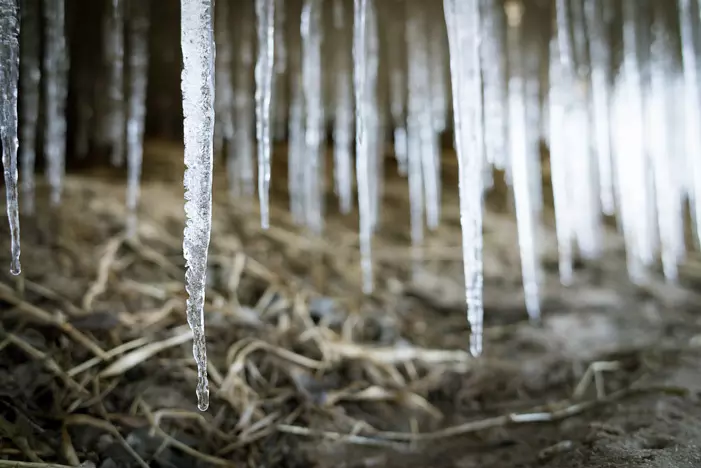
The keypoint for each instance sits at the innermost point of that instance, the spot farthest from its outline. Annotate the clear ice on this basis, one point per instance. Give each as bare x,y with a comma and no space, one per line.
9,82
30,78
55,68
463,21
265,26
137,62
197,42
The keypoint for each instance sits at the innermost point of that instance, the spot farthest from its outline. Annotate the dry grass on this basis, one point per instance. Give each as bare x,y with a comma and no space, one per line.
96,359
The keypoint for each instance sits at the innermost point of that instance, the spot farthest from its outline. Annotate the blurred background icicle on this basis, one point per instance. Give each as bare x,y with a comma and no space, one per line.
55,74
138,18
30,83
114,61
523,156
343,114
314,132
9,124
264,71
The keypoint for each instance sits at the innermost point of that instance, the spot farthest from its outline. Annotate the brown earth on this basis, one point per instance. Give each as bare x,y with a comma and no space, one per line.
96,366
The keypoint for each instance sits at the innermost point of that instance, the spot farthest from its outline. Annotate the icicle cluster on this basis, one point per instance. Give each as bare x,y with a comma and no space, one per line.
623,130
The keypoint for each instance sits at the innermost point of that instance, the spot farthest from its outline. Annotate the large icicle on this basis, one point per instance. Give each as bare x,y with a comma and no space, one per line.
463,22
30,76
265,15
55,93
197,42
137,61
362,147
9,81
114,56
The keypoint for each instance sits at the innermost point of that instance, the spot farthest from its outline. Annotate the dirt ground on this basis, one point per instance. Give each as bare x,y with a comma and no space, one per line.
305,371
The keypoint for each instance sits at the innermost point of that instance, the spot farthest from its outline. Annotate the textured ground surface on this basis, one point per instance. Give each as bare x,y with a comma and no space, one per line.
96,366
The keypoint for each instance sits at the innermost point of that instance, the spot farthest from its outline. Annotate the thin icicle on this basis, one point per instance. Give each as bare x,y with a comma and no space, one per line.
521,163
463,22
420,118
375,118
343,122
239,162
419,128
558,158
30,76
197,42
9,82
137,61
310,28
114,55
360,52
280,89
224,83
396,42
265,15
55,64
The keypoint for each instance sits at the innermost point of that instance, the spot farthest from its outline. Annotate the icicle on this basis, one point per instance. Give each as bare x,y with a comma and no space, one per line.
137,61
659,131
30,76
494,76
692,107
362,121
239,161
420,124
55,64
419,129
197,42
343,122
582,164
397,83
439,115
310,28
295,127
224,83
9,81
630,159
265,15
375,117
521,163
600,82
114,55
558,158
280,90
463,22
